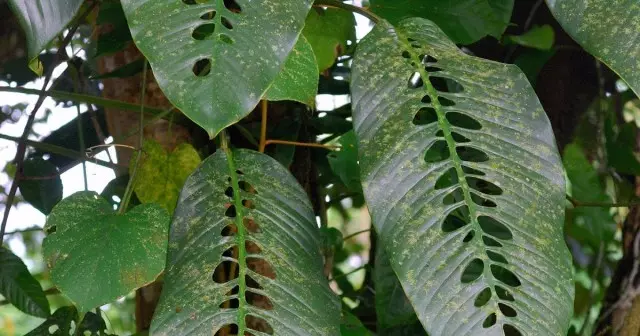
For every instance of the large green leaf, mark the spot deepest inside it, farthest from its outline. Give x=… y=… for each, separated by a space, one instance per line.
x=19 y=287
x=243 y=210
x=298 y=81
x=464 y=21
x=464 y=183
x=42 y=20
x=96 y=255
x=328 y=32
x=161 y=174
x=42 y=186
x=212 y=59
x=609 y=30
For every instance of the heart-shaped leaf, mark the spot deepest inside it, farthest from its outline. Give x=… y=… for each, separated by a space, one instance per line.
x=161 y=175
x=244 y=254
x=96 y=255
x=214 y=60
x=19 y=287
x=328 y=32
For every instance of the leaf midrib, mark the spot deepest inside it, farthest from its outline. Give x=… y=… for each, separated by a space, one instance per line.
x=457 y=162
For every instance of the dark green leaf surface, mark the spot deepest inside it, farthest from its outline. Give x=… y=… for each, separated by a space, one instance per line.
x=351 y=326
x=246 y=200
x=344 y=162
x=96 y=255
x=42 y=20
x=212 y=62
x=464 y=21
x=539 y=37
x=298 y=81
x=42 y=186
x=19 y=287
x=61 y=323
x=161 y=175
x=607 y=29
x=328 y=32
x=466 y=188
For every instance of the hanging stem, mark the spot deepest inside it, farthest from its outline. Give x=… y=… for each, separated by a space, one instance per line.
x=129 y=191
x=263 y=126
x=355 y=234
x=355 y=9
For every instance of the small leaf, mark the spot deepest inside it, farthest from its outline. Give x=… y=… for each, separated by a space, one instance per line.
x=161 y=175
x=96 y=255
x=43 y=20
x=243 y=211
x=298 y=81
x=538 y=37
x=328 y=32
x=464 y=21
x=19 y=287
x=606 y=29
x=344 y=162
x=214 y=60
x=42 y=186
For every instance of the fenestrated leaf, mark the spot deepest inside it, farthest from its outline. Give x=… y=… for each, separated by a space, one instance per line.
x=96 y=255
x=607 y=29
x=42 y=20
x=240 y=210
x=161 y=175
x=212 y=62
x=19 y=287
x=465 y=187
x=60 y=324
x=328 y=32
x=298 y=81
x=464 y=21
x=41 y=185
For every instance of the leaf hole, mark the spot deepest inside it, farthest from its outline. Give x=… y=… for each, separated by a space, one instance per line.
x=229 y=230
x=246 y=186
x=497 y=257
x=406 y=54
x=456 y=219
x=415 y=81
x=227 y=329
x=490 y=321
x=481 y=201
x=233 y=6
x=248 y=204
x=494 y=228
x=259 y=300
x=457 y=137
x=448 y=85
x=221 y=273
x=230 y=304
x=429 y=59
x=252 y=247
x=447 y=179
x=426 y=99
x=510 y=330
x=463 y=121
x=439 y=151
x=508 y=311
x=251 y=283
x=226 y=23
x=453 y=197
x=484 y=186
x=471 y=171
x=490 y=242
x=425 y=116
x=469 y=236
x=239 y=172
x=483 y=298
x=203 y=31
x=262 y=267
x=258 y=323
x=446 y=101
x=225 y=39
x=202 y=67
x=472 y=271
x=505 y=276
x=210 y=15
x=229 y=192
x=432 y=69
x=503 y=294
x=251 y=225
x=471 y=154
x=231 y=211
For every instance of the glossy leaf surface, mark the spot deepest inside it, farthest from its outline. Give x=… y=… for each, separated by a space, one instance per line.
x=19 y=287
x=609 y=30
x=215 y=60
x=96 y=255
x=464 y=184
x=243 y=211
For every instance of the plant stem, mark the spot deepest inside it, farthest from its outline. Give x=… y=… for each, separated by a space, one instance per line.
x=355 y=9
x=263 y=126
x=31 y=229
x=355 y=234
x=349 y=273
x=301 y=144
x=129 y=191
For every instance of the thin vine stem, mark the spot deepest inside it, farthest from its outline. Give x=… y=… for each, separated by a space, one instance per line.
x=349 y=273
x=263 y=125
x=356 y=234
x=301 y=144
x=129 y=191
x=355 y=9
